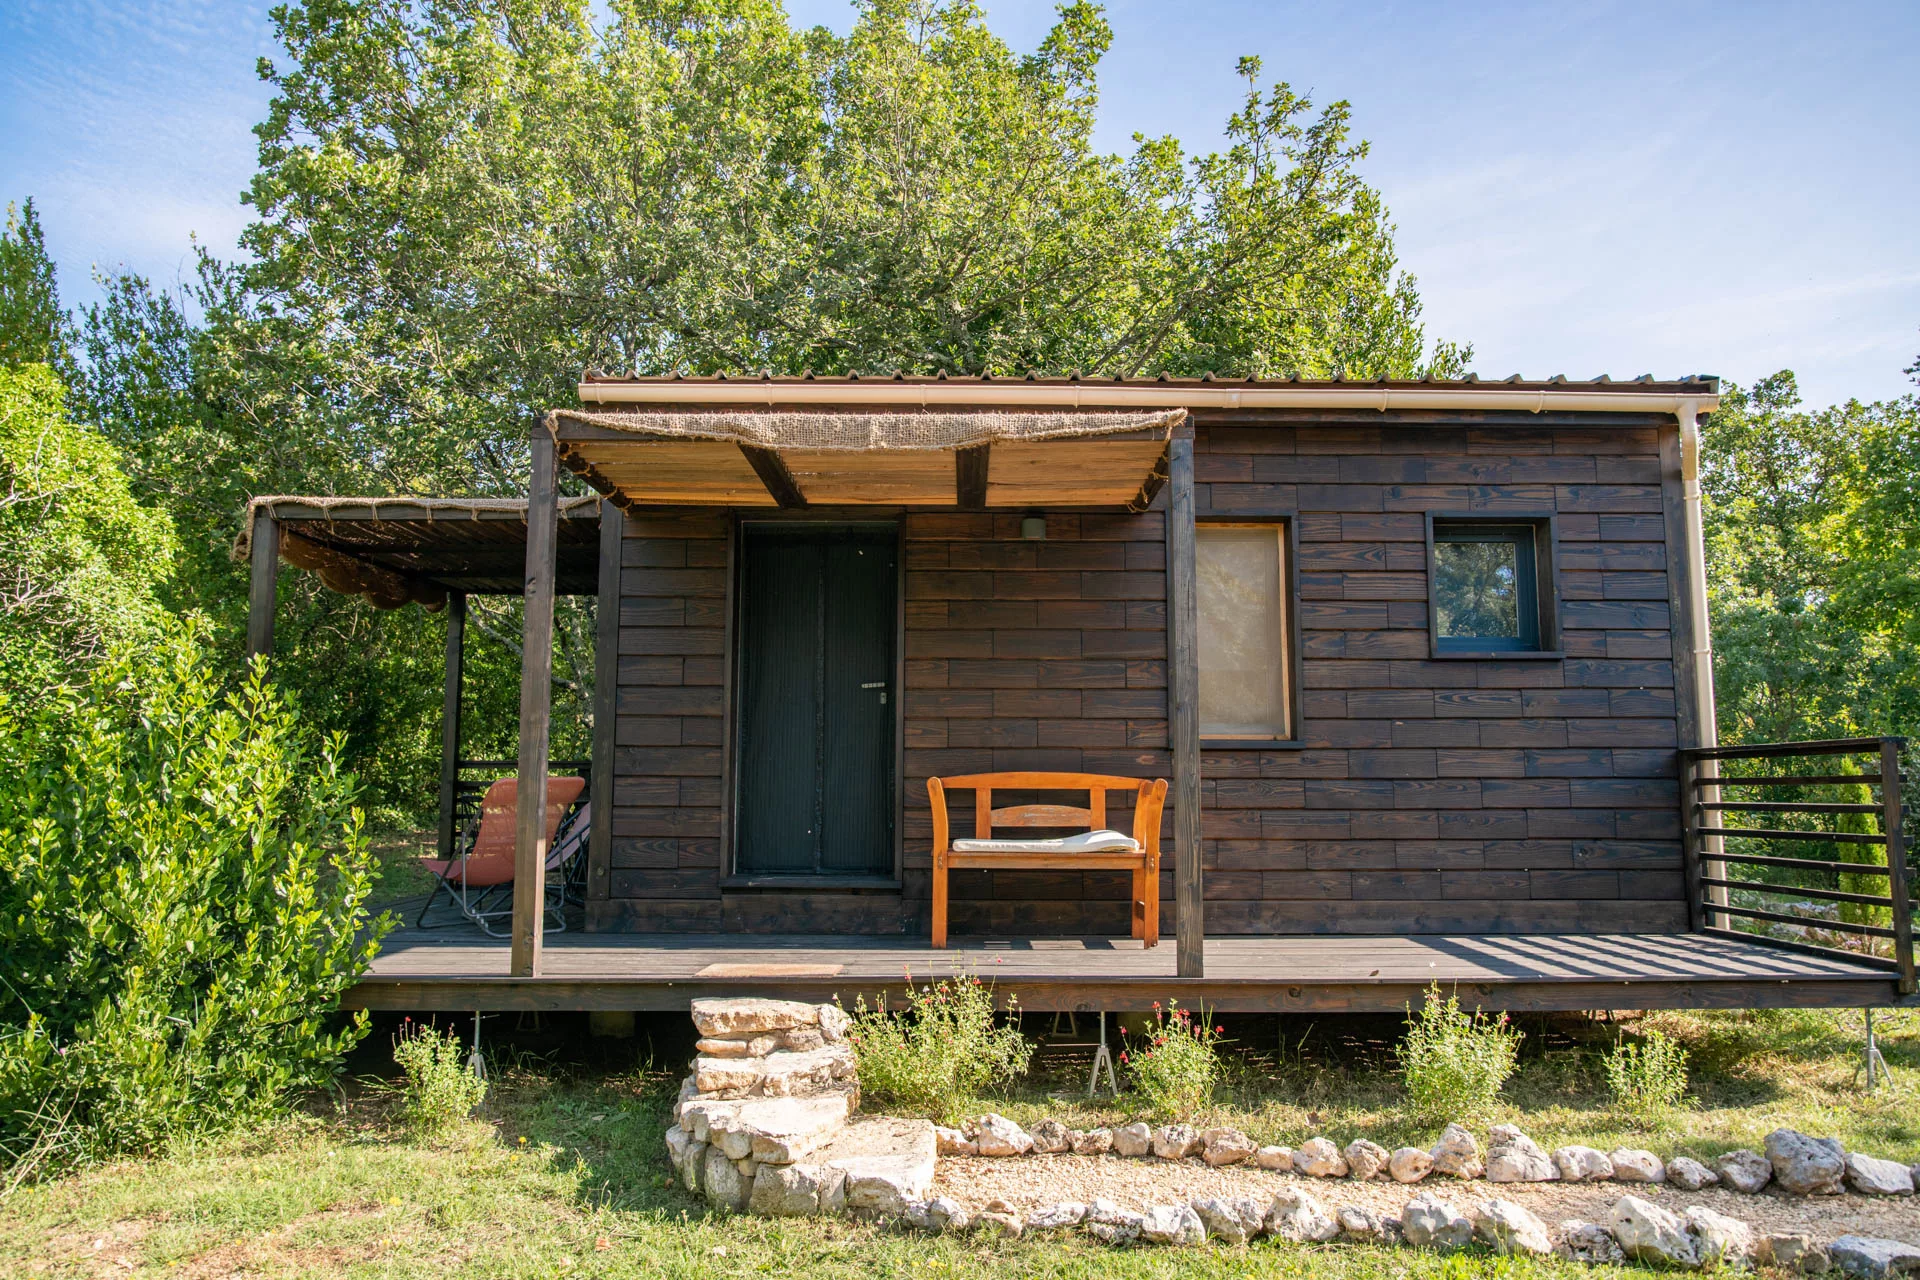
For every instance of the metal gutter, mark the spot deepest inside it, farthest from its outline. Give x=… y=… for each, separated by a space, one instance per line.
x=985 y=394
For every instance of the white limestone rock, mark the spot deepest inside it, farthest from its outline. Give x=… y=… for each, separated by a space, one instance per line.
x=1050 y=1137
x=1652 y=1234
x=1056 y=1217
x=1508 y=1228
x=727 y=1077
x=722 y=1048
x=786 y=1074
x=1319 y=1158
x=887 y=1162
x=945 y=1214
x=1176 y=1141
x=745 y=1017
x=1872 y=1258
x=1689 y=1174
x=1631 y=1164
x=1275 y=1159
x=1133 y=1140
x=1873 y=1177
x=778 y=1130
x=1108 y=1223
x=1792 y=1251
x=1297 y=1216
x=796 y=1190
x=1582 y=1164
x=952 y=1142
x=1719 y=1240
x=1174 y=1224
x=693 y=1166
x=1365 y=1159
x=1806 y=1166
x=1514 y=1157
x=1589 y=1242
x=1231 y=1220
x=1363 y=1225
x=995 y=1223
x=1457 y=1154
x=1747 y=1172
x=999 y=1136
x=835 y=1022
x=1409 y=1164
x=1094 y=1142
x=722 y=1183
x=677 y=1143
x=1428 y=1222
x=1225 y=1146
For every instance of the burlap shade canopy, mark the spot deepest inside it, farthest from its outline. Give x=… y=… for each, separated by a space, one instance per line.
x=887 y=456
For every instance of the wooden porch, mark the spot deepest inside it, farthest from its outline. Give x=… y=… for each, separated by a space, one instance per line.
x=1339 y=974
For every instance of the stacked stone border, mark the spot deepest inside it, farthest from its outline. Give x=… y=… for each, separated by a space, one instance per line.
x=767 y=1123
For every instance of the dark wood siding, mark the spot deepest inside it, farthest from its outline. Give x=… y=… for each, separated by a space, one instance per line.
x=1519 y=795
x=1472 y=796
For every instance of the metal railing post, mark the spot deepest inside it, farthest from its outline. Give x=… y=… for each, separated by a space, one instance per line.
x=1892 y=823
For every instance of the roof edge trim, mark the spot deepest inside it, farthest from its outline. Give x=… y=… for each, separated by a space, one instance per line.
x=1145 y=396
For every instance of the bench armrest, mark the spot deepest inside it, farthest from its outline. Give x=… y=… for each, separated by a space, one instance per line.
x=1146 y=815
x=937 y=797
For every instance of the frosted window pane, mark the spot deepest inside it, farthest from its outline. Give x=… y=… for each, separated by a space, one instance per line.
x=1243 y=670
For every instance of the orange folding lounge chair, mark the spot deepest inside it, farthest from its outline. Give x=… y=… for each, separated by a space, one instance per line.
x=479 y=880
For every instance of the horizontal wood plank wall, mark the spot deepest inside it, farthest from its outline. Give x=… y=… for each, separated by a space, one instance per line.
x=669 y=732
x=1480 y=796
x=1047 y=654
x=1460 y=795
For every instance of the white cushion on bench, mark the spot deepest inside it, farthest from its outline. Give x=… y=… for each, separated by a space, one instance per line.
x=1085 y=842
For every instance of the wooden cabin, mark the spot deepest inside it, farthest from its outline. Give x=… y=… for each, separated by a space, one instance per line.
x=1425 y=664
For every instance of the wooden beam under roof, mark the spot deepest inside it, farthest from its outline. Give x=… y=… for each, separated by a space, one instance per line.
x=970 y=476
x=773 y=473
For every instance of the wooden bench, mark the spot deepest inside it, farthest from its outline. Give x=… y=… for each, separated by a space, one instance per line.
x=1097 y=850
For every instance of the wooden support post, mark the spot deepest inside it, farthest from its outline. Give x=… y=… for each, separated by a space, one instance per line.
x=450 y=718
x=536 y=711
x=1183 y=716
x=970 y=467
x=606 y=706
x=1898 y=889
x=1696 y=722
x=266 y=572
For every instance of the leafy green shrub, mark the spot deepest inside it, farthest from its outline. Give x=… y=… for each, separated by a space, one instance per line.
x=1176 y=1064
x=1452 y=1062
x=183 y=880
x=1649 y=1078
x=941 y=1051
x=441 y=1090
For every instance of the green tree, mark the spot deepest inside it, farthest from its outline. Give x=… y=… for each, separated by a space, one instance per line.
x=80 y=560
x=461 y=206
x=33 y=328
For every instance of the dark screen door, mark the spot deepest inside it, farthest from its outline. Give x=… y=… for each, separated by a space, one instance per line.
x=815 y=736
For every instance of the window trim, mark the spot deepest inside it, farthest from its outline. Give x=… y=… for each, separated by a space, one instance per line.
x=1287 y=534
x=1546 y=587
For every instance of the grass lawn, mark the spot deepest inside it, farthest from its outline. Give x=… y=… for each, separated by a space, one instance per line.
x=566 y=1175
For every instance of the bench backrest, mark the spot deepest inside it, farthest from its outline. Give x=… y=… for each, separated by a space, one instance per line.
x=1146 y=810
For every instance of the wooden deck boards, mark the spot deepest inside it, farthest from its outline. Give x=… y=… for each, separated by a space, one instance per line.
x=1360 y=974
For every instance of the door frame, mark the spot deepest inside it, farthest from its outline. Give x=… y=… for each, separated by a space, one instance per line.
x=874 y=517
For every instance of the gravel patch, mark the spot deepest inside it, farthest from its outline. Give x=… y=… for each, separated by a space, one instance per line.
x=1032 y=1181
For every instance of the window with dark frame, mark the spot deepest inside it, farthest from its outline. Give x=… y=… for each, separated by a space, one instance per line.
x=1246 y=675
x=1487 y=587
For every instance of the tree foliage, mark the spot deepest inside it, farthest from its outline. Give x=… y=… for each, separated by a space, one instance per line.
x=33 y=328
x=1813 y=553
x=80 y=560
x=461 y=205
x=183 y=878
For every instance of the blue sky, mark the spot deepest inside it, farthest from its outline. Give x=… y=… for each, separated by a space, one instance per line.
x=1627 y=188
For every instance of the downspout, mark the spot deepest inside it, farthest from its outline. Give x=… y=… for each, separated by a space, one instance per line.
x=1700 y=642
x=1701 y=639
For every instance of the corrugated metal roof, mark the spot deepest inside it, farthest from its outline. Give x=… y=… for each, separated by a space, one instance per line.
x=1694 y=384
